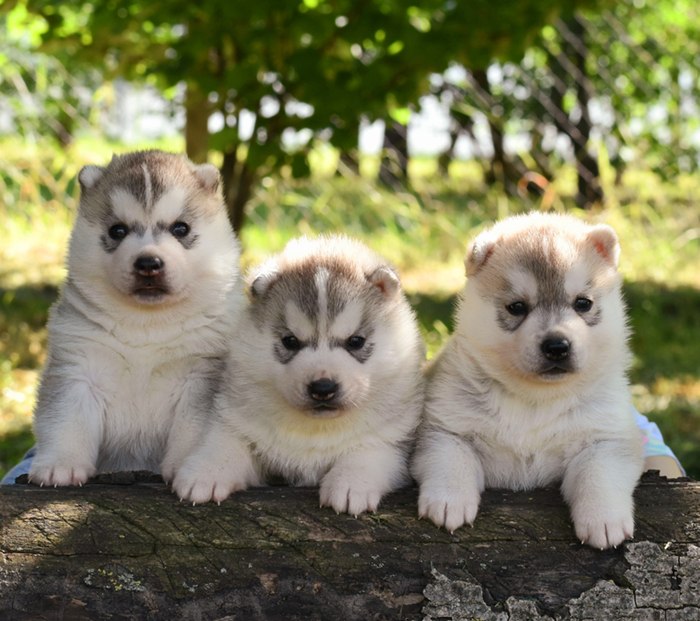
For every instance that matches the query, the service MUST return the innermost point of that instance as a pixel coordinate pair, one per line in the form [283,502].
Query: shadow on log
[132,551]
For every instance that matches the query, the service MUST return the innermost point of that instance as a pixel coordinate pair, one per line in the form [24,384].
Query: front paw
[346,494]
[59,474]
[207,483]
[450,507]
[604,528]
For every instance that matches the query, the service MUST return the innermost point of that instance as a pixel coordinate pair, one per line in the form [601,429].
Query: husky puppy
[532,388]
[323,385]
[140,330]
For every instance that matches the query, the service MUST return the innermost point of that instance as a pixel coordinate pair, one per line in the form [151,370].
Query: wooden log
[132,551]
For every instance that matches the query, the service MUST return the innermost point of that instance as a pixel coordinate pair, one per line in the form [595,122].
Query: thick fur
[507,407]
[139,334]
[324,310]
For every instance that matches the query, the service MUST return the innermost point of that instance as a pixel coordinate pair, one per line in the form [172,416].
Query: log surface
[132,551]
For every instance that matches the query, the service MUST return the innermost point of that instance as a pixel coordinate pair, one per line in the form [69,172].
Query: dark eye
[517,309]
[355,342]
[583,305]
[291,343]
[180,229]
[118,231]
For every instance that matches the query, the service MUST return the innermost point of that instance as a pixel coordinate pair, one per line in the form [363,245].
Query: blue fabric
[654,445]
[21,468]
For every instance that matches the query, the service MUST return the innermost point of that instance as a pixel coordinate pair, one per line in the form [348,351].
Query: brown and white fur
[138,336]
[532,388]
[323,383]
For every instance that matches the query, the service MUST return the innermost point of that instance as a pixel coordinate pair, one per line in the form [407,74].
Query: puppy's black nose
[148,265]
[323,389]
[555,348]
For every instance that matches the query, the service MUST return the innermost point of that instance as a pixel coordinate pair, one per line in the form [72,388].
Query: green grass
[424,232]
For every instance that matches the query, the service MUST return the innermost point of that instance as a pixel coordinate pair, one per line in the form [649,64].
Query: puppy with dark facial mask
[323,383]
[532,387]
[138,336]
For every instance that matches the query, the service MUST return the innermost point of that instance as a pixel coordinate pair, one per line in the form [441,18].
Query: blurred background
[410,125]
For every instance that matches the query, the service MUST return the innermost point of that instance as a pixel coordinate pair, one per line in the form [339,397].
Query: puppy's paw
[344,494]
[59,474]
[167,471]
[448,507]
[204,484]
[604,528]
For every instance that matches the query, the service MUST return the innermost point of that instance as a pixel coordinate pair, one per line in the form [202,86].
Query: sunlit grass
[424,232]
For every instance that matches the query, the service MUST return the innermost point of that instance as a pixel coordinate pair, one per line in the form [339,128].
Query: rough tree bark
[134,552]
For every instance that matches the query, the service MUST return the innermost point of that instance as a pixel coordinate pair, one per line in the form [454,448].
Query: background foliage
[558,104]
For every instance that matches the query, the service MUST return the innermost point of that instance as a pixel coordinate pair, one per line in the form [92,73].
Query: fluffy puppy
[138,335]
[532,387]
[322,384]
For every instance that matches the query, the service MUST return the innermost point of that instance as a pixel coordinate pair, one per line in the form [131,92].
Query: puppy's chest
[524,451]
[134,383]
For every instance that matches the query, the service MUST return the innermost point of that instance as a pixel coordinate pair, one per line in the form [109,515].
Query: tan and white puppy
[323,382]
[532,388]
[138,336]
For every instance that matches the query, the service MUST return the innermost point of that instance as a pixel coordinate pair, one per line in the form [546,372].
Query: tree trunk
[134,552]
[348,163]
[238,180]
[393,169]
[197,110]
[571,65]
[590,191]
[502,170]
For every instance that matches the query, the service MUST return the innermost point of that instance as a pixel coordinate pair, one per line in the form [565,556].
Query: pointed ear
[478,253]
[386,280]
[89,176]
[261,283]
[604,241]
[208,176]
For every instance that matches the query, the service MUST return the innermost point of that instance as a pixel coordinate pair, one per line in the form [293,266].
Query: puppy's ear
[386,280]
[261,283]
[208,176]
[605,243]
[89,176]
[478,253]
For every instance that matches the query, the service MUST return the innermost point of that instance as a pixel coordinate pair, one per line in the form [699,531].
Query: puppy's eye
[180,229]
[355,342]
[118,232]
[583,305]
[291,343]
[517,309]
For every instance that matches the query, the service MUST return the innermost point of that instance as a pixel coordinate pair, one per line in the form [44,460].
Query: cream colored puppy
[532,388]
[322,384]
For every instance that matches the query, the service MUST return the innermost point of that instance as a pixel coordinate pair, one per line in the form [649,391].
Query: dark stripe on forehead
[337,295]
[550,279]
[137,180]
[301,289]
[130,171]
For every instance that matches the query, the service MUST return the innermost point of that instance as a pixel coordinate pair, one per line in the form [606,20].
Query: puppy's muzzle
[558,355]
[149,265]
[555,348]
[150,282]
[323,390]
